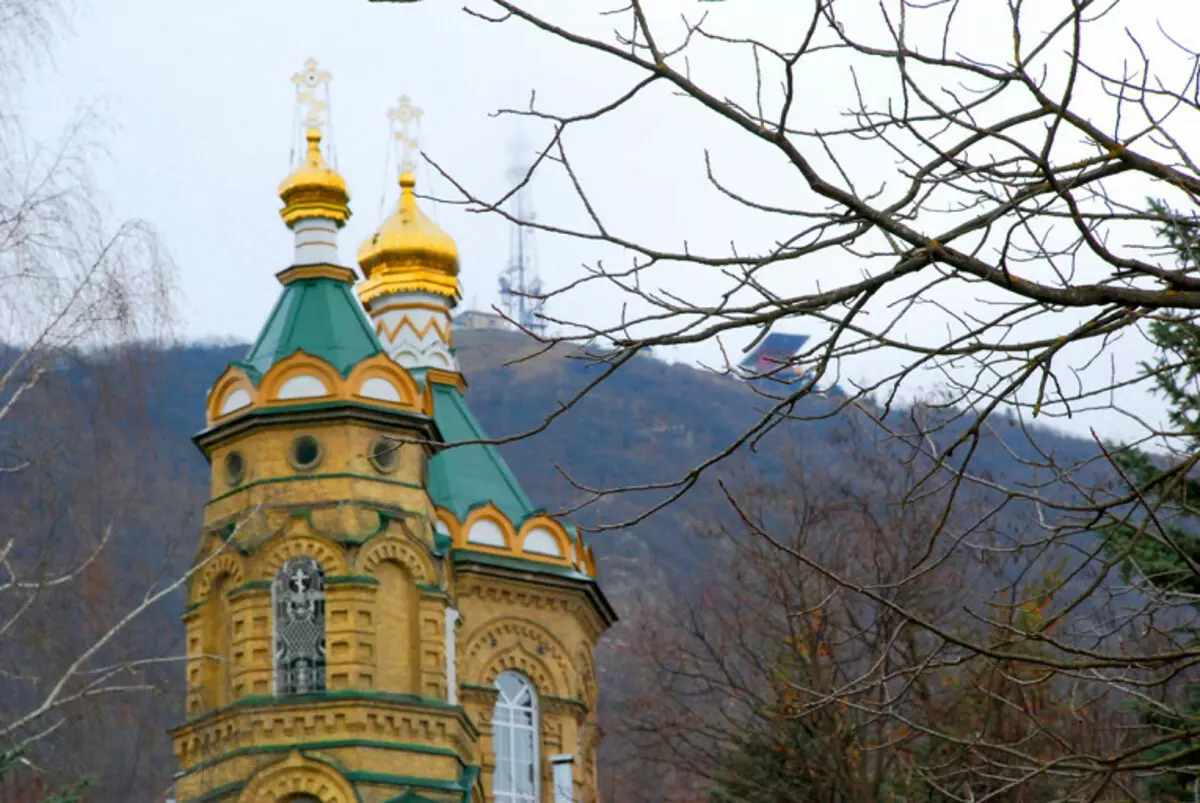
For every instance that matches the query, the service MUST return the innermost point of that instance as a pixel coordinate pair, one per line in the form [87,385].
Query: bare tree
[88,539]
[969,211]
[974,207]
[775,683]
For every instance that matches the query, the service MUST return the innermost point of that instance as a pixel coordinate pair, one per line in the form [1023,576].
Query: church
[376,614]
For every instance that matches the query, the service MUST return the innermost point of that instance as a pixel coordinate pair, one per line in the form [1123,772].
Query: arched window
[515,736]
[299,597]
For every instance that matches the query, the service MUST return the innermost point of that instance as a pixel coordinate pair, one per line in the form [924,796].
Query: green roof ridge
[464,477]
[321,317]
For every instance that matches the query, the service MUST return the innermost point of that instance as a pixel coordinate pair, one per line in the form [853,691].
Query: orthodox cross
[299,580]
[402,117]
[312,91]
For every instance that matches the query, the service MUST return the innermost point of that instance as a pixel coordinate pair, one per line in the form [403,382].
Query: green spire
[319,316]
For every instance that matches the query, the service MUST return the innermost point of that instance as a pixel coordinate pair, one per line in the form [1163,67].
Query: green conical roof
[321,317]
[465,477]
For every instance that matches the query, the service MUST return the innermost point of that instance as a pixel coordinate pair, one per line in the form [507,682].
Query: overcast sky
[200,111]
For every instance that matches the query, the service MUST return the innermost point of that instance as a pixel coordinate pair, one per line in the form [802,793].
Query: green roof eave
[470,776]
[321,317]
[462,478]
[387,779]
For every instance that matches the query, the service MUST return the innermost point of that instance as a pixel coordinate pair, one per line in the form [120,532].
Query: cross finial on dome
[402,117]
[312,91]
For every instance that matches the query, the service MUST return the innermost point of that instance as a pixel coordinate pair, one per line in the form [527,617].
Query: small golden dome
[409,253]
[315,189]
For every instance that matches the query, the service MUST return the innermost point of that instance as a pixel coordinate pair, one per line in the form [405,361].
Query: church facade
[376,614]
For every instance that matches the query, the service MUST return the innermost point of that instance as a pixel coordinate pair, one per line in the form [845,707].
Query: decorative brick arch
[512,643]
[399,549]
[280,549]
[528,664]
[227,563]
[298,775]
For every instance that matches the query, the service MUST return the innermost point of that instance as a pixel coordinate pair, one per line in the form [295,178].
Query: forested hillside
[108,438]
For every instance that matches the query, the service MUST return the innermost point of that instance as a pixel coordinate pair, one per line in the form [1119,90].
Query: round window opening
[306,452]
[235,468]
[385,455]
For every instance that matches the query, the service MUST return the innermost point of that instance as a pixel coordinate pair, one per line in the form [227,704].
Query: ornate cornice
[413,276]
[301,414]
[299,272]
[358,714]
[580,598]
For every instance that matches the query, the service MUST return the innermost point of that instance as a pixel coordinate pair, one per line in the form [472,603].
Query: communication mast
[520,286]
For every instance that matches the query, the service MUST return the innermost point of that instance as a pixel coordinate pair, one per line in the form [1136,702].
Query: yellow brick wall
[548,635]
[344,470]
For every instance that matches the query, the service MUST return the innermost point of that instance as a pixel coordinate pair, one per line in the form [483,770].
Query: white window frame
[512,794]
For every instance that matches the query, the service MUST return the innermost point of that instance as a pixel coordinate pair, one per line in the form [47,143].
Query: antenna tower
[519,282]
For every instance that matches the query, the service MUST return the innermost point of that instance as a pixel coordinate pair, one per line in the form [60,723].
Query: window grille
[515,737]
[299,599]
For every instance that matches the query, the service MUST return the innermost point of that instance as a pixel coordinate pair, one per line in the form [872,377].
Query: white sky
[201,109]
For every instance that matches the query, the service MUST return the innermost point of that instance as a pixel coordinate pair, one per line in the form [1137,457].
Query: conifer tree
[1161,541]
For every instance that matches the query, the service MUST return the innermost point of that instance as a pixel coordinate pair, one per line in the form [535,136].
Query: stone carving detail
[519,644]
[296,777]
[282,549]
[228,563]
[395,547]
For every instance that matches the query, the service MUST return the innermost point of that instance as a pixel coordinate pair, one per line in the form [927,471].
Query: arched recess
[221,398]
[227,563]
[285,547]
[398,617]
[406,358]
[382,367]
[513,643]
[299,364]
[397,548]
[295,776]
[494,533]
[217,642]
[544,538]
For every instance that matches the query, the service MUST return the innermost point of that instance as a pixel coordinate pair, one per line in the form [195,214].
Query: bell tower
[377,611]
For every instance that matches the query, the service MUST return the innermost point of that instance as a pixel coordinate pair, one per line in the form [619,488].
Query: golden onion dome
[409,253]
[315,189]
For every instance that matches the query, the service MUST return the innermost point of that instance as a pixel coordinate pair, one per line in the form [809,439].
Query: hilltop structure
[481,319]
[773,362]
[376,616]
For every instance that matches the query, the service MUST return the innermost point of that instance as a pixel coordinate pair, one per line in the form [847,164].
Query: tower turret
[411,270]
[373,615]
[315,200]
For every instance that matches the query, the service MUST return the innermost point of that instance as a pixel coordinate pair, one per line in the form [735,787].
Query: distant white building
[479,319]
